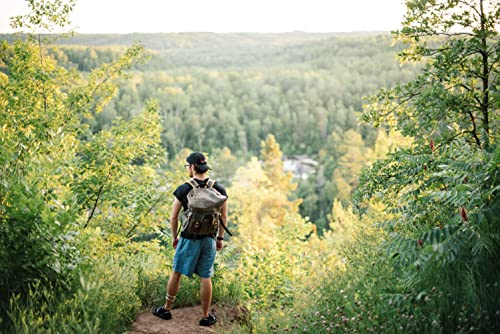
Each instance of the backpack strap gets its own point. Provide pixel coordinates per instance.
(210, 183)
(193, 183)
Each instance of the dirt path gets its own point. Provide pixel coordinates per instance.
(185, 321)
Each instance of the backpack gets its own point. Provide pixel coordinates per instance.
(204, 210)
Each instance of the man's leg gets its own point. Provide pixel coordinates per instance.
(173, 285)
(206, 295)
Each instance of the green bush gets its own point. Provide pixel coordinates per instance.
(102, 301)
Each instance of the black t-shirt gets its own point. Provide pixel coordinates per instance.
(183, 190)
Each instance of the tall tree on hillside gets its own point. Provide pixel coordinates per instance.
(442, 193)
(260, 193)
(456, 94)
(353, 158)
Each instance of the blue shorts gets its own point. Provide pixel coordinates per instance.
(195, 256)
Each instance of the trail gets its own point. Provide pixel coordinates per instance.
(185, 321)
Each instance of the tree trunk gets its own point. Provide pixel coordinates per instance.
(485, 76)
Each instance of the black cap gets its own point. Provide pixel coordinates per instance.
(199, 160)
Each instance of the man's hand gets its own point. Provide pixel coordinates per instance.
(219, 245)
(175, 241)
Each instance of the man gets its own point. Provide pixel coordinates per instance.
(193, 255)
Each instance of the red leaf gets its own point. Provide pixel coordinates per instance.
(464, 215)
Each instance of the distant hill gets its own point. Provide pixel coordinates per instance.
(227, 50)
(166, 41)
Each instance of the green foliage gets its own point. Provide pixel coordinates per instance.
(46, 16)
(38, 145)
(247, 86)
(72, 200)
(105, 292)
(441, 194)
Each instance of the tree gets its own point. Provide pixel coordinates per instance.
(456, 93)
(354, 156)
(260, 193)
(270, 234)
(441, 193)
(59, 179)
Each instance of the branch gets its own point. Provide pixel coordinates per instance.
(493, 63)
(474, 129)
(44, 93)
(400, 103)
(97, 199)
(467, 3)
(455, 34)
(469, 90)
(144, 215)
(451, 138)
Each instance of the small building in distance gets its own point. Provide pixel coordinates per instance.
(301, 166)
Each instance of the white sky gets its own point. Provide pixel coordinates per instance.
(126, 16)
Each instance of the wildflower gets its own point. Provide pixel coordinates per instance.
(431, 144)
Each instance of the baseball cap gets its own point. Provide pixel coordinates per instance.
(199, 160)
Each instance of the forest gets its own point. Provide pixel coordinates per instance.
(393, 227)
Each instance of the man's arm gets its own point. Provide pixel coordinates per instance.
(174, 221)
(223, 216)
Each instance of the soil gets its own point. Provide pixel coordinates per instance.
(185, 321)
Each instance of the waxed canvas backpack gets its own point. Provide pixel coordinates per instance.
(204, 210)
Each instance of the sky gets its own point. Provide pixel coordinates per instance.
(127, 16)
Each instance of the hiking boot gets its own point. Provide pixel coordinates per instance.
(162, 313)
(208, 321)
